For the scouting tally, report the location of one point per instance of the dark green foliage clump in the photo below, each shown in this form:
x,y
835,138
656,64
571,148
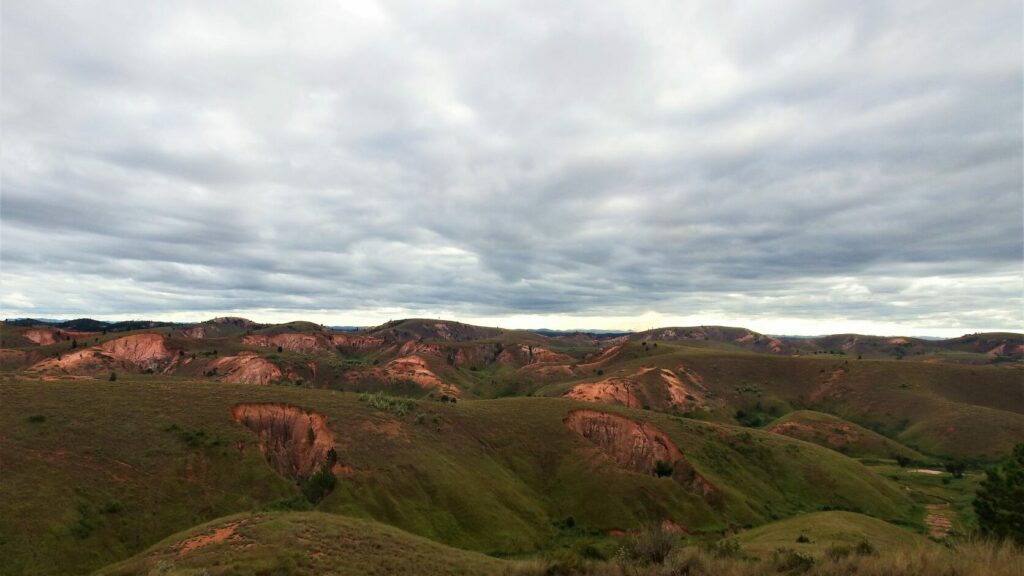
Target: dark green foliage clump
x,y
87,522
319,485
36,418
662,469
1000,500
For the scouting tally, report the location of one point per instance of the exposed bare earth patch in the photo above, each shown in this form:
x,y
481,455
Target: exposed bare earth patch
x,y
938,521
217,535
292,342
138,352
296,442
245,368
626,390
633,445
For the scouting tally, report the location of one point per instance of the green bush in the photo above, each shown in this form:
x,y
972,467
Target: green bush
x,y
320,484
36,418
999,503
652,543
382,401
788,560
662,469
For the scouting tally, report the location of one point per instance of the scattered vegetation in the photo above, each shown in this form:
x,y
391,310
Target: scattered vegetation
x,y
1000,500
382,401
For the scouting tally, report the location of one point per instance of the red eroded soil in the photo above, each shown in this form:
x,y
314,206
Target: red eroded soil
x,y
137,352
636,446
246,368
301,343
295,442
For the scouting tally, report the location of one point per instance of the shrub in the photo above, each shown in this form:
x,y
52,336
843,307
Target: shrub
x,y
662,469
803,539
725,548
292,503
837,553
789,560
113,376
36,418
320,484
382,401
864,548
653,543
956,469
999,503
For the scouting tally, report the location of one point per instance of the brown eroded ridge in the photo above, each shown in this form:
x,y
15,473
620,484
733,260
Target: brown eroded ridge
x,y
245,368
217,535
655,386
636,446
296,442
138,352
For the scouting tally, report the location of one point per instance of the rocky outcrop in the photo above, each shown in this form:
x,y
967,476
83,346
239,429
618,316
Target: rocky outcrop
x,y
296,443
136,353
636,446
195,332
416,370
41,336
351,343
245,368
639,447
608,391
657,387
301,343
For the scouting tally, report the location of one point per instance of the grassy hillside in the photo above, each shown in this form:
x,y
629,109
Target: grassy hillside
x,y
969,412
822,530
155,455
302,543
839,435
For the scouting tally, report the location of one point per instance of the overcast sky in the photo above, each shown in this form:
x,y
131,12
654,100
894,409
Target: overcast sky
x,y
793,167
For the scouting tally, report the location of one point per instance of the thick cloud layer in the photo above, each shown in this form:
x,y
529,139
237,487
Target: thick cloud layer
x,y
842,163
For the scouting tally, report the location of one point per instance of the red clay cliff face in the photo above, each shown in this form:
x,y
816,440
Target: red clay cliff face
x,y
301,343
138,352
636,446
296,442
682,391
356,342
245,368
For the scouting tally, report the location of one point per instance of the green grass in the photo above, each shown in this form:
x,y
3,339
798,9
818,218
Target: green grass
x,y
956,495
825,529
492,476
945,410
285,543
838,434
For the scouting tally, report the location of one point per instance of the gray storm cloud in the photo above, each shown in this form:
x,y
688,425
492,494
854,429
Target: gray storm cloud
x,y
839,160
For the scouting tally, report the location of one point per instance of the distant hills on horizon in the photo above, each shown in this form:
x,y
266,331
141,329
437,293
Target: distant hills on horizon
x,y
90,324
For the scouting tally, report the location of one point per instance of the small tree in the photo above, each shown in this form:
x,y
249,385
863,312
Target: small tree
x,y
902,460
113,376
1000,500
662,469
956,469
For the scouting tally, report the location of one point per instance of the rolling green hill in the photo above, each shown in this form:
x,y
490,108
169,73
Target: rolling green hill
x,y
302,543
155,455
835,433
